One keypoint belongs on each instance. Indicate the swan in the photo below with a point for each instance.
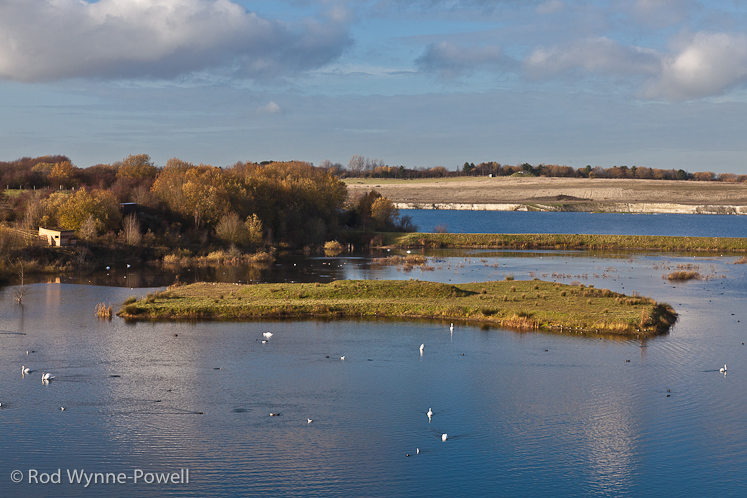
(443, 437)
(62, 408)
(722, 369)
(25, 370)
(267, 334)
(451, 329)
(308, 421)
(417, 451)
(47, 376)
(342, 357)
(422, 347)
(430, 413)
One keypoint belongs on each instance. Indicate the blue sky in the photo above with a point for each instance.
(657, 83)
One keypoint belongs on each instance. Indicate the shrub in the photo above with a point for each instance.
(683, 275)
(510, 276)
(130, 300)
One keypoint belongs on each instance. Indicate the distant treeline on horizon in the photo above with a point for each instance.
(363, 167)
(54, 170)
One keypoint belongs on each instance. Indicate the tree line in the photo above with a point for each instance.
(363, 167)
(247, 205)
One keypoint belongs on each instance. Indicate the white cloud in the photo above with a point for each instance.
(270, 108)
(451, 61)
(592, 55)
(56, 39)
(707, 64)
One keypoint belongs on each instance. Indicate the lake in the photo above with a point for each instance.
(537, 414)
(678, 225)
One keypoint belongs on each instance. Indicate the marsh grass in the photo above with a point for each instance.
(568, 241)
(553, 306)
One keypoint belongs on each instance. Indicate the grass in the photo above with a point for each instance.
(566, 241)
(519, 304)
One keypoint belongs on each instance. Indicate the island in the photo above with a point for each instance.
(526, 305)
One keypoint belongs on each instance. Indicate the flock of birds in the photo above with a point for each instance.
(266, 337)
(46, 377)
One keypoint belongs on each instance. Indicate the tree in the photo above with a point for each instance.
(384, 213)
(232, 230)
(137, 166)
(131, 230)
(254, 230)
(88, 230)
(63, 173)
(100, 204)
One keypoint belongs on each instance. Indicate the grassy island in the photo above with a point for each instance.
(567, 241)
(529, 304)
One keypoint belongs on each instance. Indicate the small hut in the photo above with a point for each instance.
(58, 236)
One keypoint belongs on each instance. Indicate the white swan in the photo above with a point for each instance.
(308, 421)
(267, 334)
(422, 347)
(722, 369)
(430, 413)
(25, 370)
(47, 376)
(62, 408)
(417, 451)
(342, 357)
(443, 437)
(451, 329)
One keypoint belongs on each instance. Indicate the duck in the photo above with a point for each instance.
(722, 369)
(273, 414)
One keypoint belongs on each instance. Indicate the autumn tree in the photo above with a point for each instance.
(232, 230)
(100, 204)
(137, 166)
(63, 174)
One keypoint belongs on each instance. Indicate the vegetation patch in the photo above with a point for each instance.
(543, 305)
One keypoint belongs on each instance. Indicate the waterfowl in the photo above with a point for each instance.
(25, 370)
(47, 376)
(422, 347)
(273, 414)
(722, 369)
(308, 421)
(443, 437)
(417, 451)
(342, 357)
(451, 328)
(62, 408)
(430, 413)
(267, 334)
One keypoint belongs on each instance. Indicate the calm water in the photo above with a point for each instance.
(684, 225)
(528, 414)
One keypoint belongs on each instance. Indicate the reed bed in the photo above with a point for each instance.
(104, 310)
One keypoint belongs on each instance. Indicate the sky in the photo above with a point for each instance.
(420, 83)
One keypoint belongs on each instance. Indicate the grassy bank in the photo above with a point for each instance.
(519, 304)
(566, 241)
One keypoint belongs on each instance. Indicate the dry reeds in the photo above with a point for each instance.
(683, 276)
(104, 311)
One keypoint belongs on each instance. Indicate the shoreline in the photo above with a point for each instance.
(591, 207)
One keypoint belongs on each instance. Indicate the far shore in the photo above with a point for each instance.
(559, 194)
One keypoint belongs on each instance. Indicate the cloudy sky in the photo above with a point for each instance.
(658, 83)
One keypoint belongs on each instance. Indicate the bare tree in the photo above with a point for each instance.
(131, 230)
(18, 293)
